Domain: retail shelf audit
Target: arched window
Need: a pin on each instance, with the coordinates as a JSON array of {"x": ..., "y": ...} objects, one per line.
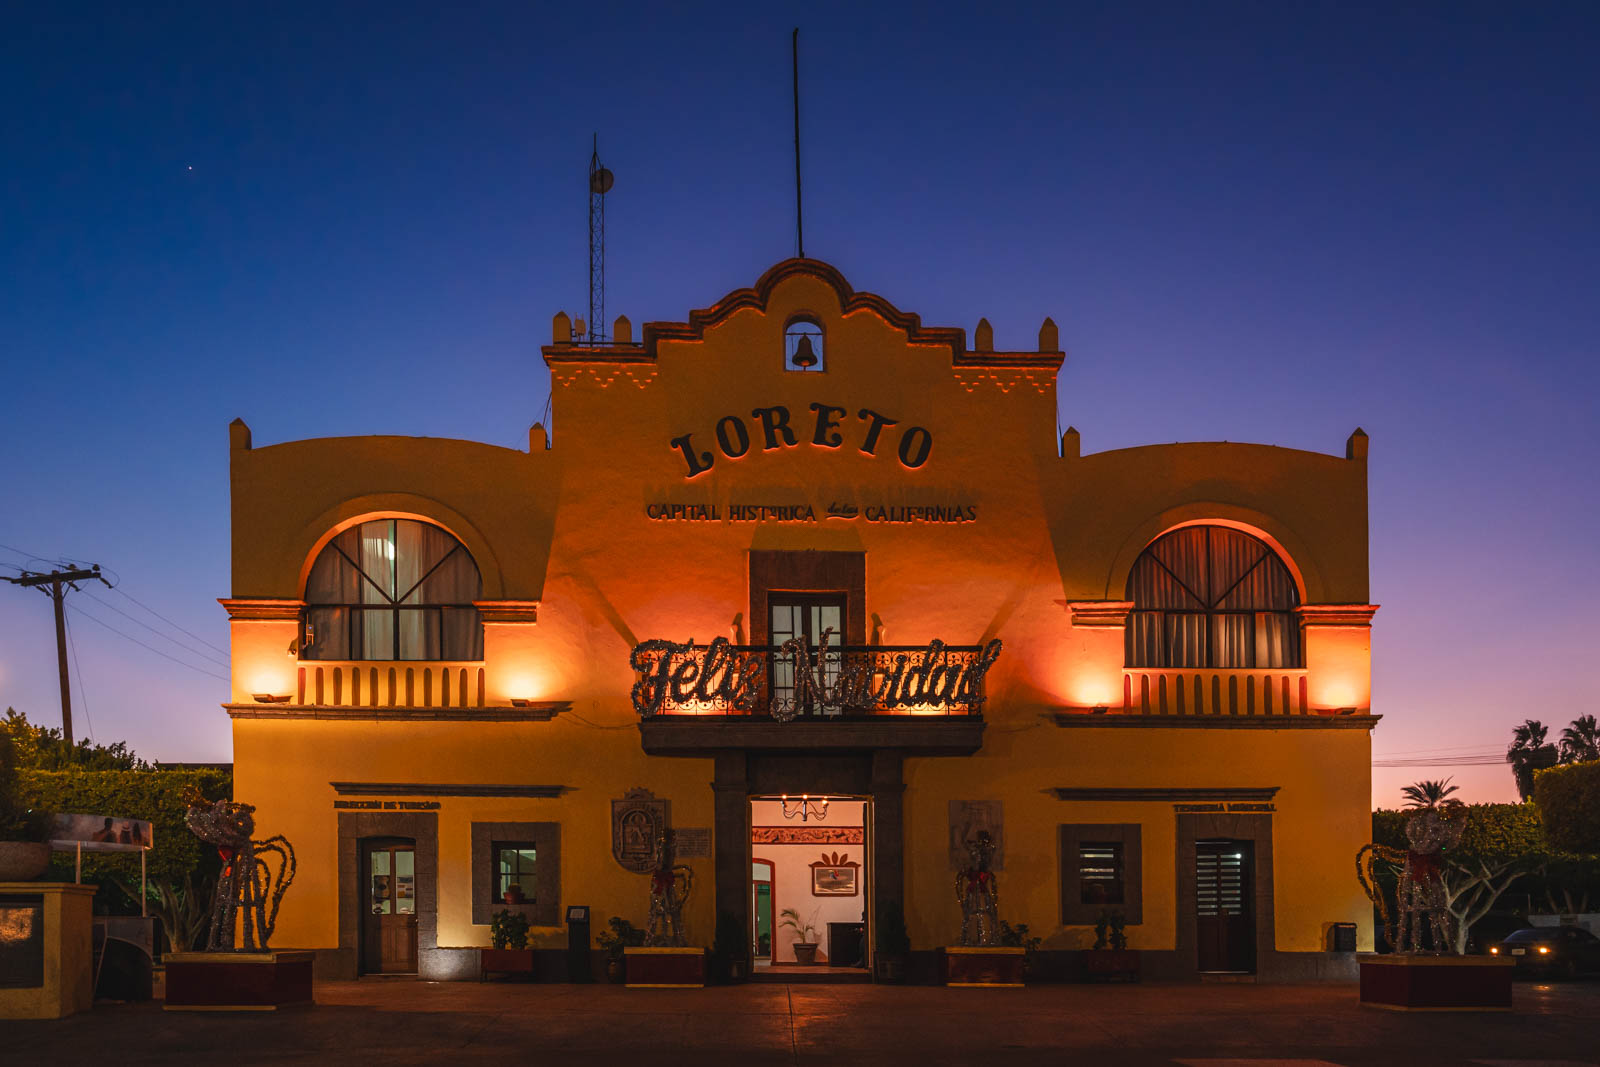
[
  {"x": 802, "y": 344},
  {"x": 1212, "y": 596},
  {"x": 393, "y": 589}
]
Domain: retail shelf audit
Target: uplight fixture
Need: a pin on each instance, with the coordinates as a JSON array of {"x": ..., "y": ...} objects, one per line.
[{"x": 270, "y": 698}]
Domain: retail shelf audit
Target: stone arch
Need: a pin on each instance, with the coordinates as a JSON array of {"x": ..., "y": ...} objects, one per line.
[
  {"x": 1289, "y": 546},
  {"x": 359, "y": 509}
]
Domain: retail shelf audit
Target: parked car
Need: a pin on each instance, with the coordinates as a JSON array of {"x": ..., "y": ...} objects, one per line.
[{"x": 1565, "y": 950}]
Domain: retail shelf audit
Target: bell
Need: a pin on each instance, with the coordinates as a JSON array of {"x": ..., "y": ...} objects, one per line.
[{"x": 804, "y": 357}]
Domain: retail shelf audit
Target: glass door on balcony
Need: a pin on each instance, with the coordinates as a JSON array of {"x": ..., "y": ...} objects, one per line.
[{"x": 808, "y": 615}]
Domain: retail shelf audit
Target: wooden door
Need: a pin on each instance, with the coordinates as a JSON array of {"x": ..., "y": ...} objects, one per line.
[
  {"x": 389, "y": 919},
  {"x": 761, "y": 913},
  {"x": 1225, "y": 923}
]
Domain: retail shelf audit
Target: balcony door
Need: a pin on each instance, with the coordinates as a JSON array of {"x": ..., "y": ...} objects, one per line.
[{"x": 807, "y": 615}]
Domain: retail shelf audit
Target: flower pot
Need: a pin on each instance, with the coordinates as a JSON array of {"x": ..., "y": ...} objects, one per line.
[
  {"x": 1106, "y": 964},
  {"x": 23, "y": 861},
  {"x": 505, "y": 961},
  {"x": 514, "y": 895},
  {"x": 613, "y": 970},
  {"x": 805, "y": 952}
]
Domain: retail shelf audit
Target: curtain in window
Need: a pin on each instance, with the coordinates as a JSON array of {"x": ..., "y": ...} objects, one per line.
[
  {"x": 1211, "y": 596},
  {"x": 394, "y": 589}
]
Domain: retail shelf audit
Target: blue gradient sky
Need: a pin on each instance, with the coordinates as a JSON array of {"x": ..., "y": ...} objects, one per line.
[{"x": 1268, "y": 222}]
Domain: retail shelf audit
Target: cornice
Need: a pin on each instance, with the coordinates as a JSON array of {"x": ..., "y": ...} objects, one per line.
[
  {"x": 1169, "y": 794},
  {"x": 1079, "y": 720},
  {"x": 1337, "y": 614},
  {"x": 526, "y": 611},
  {"x": 535, "y": 712},
  {"x": 467, "y": 789},
  {"x": 261, "y": 608},
  {"x": 1099, "y": 613}
]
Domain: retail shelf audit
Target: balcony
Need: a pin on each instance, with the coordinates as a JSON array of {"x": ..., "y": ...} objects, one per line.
[
  {"x": 696, "y": 698},
  {"x": 400, "y": 689},
  {"x": 1209, "y": 691}
]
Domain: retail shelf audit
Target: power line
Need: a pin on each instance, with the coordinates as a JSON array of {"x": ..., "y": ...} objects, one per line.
[
  {"x": 192, "y": 651},
  {"x": 157, "y": 651},
  {"x": 117, "y": 587}
]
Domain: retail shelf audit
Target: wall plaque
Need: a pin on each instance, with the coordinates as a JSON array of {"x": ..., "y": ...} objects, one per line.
[
  {"x": 692, "y": 842},
  {"x": 636, "y": 820},
  {"x": 967, "y": 817}
]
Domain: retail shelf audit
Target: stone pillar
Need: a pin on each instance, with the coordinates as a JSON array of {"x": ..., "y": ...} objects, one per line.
[
  {"x": 731, "y": 830},
  {"x": 888, "y": 820}
]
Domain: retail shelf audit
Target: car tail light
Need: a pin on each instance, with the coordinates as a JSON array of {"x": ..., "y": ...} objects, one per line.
[
  {"x": 1544, "y": 950},
  {"x": 1494, "y": 951}
]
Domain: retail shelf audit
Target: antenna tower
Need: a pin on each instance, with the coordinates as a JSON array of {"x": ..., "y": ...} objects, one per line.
[{"x": 600, "y": 181}]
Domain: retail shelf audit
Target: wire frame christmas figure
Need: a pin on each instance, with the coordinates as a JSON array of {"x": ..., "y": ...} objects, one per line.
[
  {"x": 670, "y": 884},
  {"x": 1421, "y": 901},
  {"x": 979, "y": 894},
  {"x": 247, "y": 882}
]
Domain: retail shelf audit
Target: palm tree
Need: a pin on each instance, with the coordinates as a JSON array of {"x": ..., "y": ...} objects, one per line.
[
  {"x": 1428, "y": 794},
  {"x": 1529, "y": 752},
  {"x": 1580, "y": 742}
]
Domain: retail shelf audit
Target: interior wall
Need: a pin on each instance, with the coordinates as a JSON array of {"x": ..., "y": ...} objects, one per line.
[{"x": 791, "y": 879}]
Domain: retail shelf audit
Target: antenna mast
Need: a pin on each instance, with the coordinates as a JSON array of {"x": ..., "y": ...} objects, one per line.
[
  {"x": 799, "y": 218},
  {"x": 600, "y": 181}
]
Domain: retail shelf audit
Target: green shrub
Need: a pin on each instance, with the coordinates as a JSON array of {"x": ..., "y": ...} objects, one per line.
[
  {"x": 507, "y": 929},
  {"x": 1568, "y": 798}
]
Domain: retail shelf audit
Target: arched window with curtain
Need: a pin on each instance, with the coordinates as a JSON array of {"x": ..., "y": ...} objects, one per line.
[
  {"x": 1212, "y": 596},
  {"x": 393, "y": 589}
]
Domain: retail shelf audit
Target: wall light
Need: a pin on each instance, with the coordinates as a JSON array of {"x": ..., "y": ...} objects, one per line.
[
  {"x": 520, "y": 702},
  {"x": 270, "y": 698}
]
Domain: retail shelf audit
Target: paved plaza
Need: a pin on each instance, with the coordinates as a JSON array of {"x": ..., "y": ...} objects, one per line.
[{"x": 406, "y": 1022}]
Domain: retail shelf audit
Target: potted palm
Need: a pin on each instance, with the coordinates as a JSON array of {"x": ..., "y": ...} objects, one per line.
[
  {"x": 615, "y": 942},
  {"x": 24, "y": 833},
  {"x": 805, "y": 930},
  {"x": 1111, "y": 957},
  {"x": 510, "y": 954}
]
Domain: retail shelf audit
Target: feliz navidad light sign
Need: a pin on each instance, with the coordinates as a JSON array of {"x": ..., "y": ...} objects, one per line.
[{"x": 721, "y": 676}]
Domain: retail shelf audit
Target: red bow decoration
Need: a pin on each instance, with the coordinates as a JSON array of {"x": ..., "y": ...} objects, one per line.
[
  {"x": 1425, "y": 866},
  {"x": 227, "y": 859}
]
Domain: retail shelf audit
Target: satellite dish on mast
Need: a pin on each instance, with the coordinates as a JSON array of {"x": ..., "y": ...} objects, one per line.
[{"x": 600, "y": 180}]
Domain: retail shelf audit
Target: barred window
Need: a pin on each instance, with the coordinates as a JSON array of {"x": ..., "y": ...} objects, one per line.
[
  {"x": 1212, "y": 596},
  {"x": 393, "y": 589}
]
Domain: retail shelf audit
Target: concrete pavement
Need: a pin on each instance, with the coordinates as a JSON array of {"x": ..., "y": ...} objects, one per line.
[{"x": 407, "y": 1022}]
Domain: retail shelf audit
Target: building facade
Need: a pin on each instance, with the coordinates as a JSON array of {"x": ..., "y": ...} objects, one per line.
[{"x": 803, "y": 548}]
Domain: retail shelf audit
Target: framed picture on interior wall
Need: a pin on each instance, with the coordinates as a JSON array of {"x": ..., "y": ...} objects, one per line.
[{"x": 835, "y": 875}]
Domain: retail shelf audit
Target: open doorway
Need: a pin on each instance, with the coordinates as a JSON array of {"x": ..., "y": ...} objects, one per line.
[{"x": 810, "y": 886}]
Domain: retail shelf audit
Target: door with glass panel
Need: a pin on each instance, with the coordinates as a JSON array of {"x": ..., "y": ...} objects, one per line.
[
  {"x": 389, "y": 906},
  {"x": 1225, "y": 924},
  {"x": 807, "y": 615},
  {"x": 761, "y": 915}
]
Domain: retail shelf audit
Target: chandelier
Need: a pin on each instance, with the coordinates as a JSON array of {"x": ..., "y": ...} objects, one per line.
[{"x": 805, "y": 807}]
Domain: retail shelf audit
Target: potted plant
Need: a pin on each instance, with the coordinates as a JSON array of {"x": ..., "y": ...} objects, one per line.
[
  {"x": 1017, "y": 937},
  {"x": 894, "y": 943},
  {"x": 513, "y": 894},
  {"x": 1111, "y": 957},
  {"x": 24, "y": 833},
  {"x": 510, "y": 954},
  {"x": 623, "y": 935},
  {"x": 730, "y": 951},
  {"x": 805, "y": 949}
]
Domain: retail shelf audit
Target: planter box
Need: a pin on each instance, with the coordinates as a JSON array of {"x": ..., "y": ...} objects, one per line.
[
  {"x": 1435, "y": 983},
  {"x": 504, "y": 961},
  {"x": 238, "y": 981},
  {"x": 47, "y": 958},
  {"x": 664, "y": 968},
  {"x": 995, "y": 967},
  {"x": 1111, "y": 964}
]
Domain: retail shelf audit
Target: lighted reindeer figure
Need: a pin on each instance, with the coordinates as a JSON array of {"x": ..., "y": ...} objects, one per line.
[
  {"x": 669, "y": 890},
  {"x": 246, "y": 881},
  {"x": 1420, "y": 898},
  {"x": 979, "y": 894}
]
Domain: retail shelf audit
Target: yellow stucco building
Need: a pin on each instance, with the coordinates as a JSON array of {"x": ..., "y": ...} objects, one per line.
[{"x": 462, "y": 671}]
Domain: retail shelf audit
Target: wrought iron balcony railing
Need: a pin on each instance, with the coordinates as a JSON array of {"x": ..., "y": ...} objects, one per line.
[{"x": 794, "y": 680}]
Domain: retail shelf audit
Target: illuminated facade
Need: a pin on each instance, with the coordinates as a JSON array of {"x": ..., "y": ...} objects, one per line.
[{"x": 460, "y": 669}]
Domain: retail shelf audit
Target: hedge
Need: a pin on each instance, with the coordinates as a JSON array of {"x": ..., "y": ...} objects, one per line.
[{"x": 1568, "y": 797}]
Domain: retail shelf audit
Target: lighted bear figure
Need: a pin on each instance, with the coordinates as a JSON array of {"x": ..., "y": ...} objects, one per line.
[{"x": 1421, "y": 898}]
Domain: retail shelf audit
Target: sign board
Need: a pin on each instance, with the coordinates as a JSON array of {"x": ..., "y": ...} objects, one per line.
[{"x": 100, "y": 833}]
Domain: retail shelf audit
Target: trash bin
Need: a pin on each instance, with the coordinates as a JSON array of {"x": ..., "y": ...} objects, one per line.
[
  {"x": 1341, "y": 937},
  {"x": 578, "y": 944}
]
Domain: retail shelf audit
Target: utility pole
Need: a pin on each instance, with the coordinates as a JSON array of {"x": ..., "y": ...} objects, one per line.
[{"x": 52, "y": 584}]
